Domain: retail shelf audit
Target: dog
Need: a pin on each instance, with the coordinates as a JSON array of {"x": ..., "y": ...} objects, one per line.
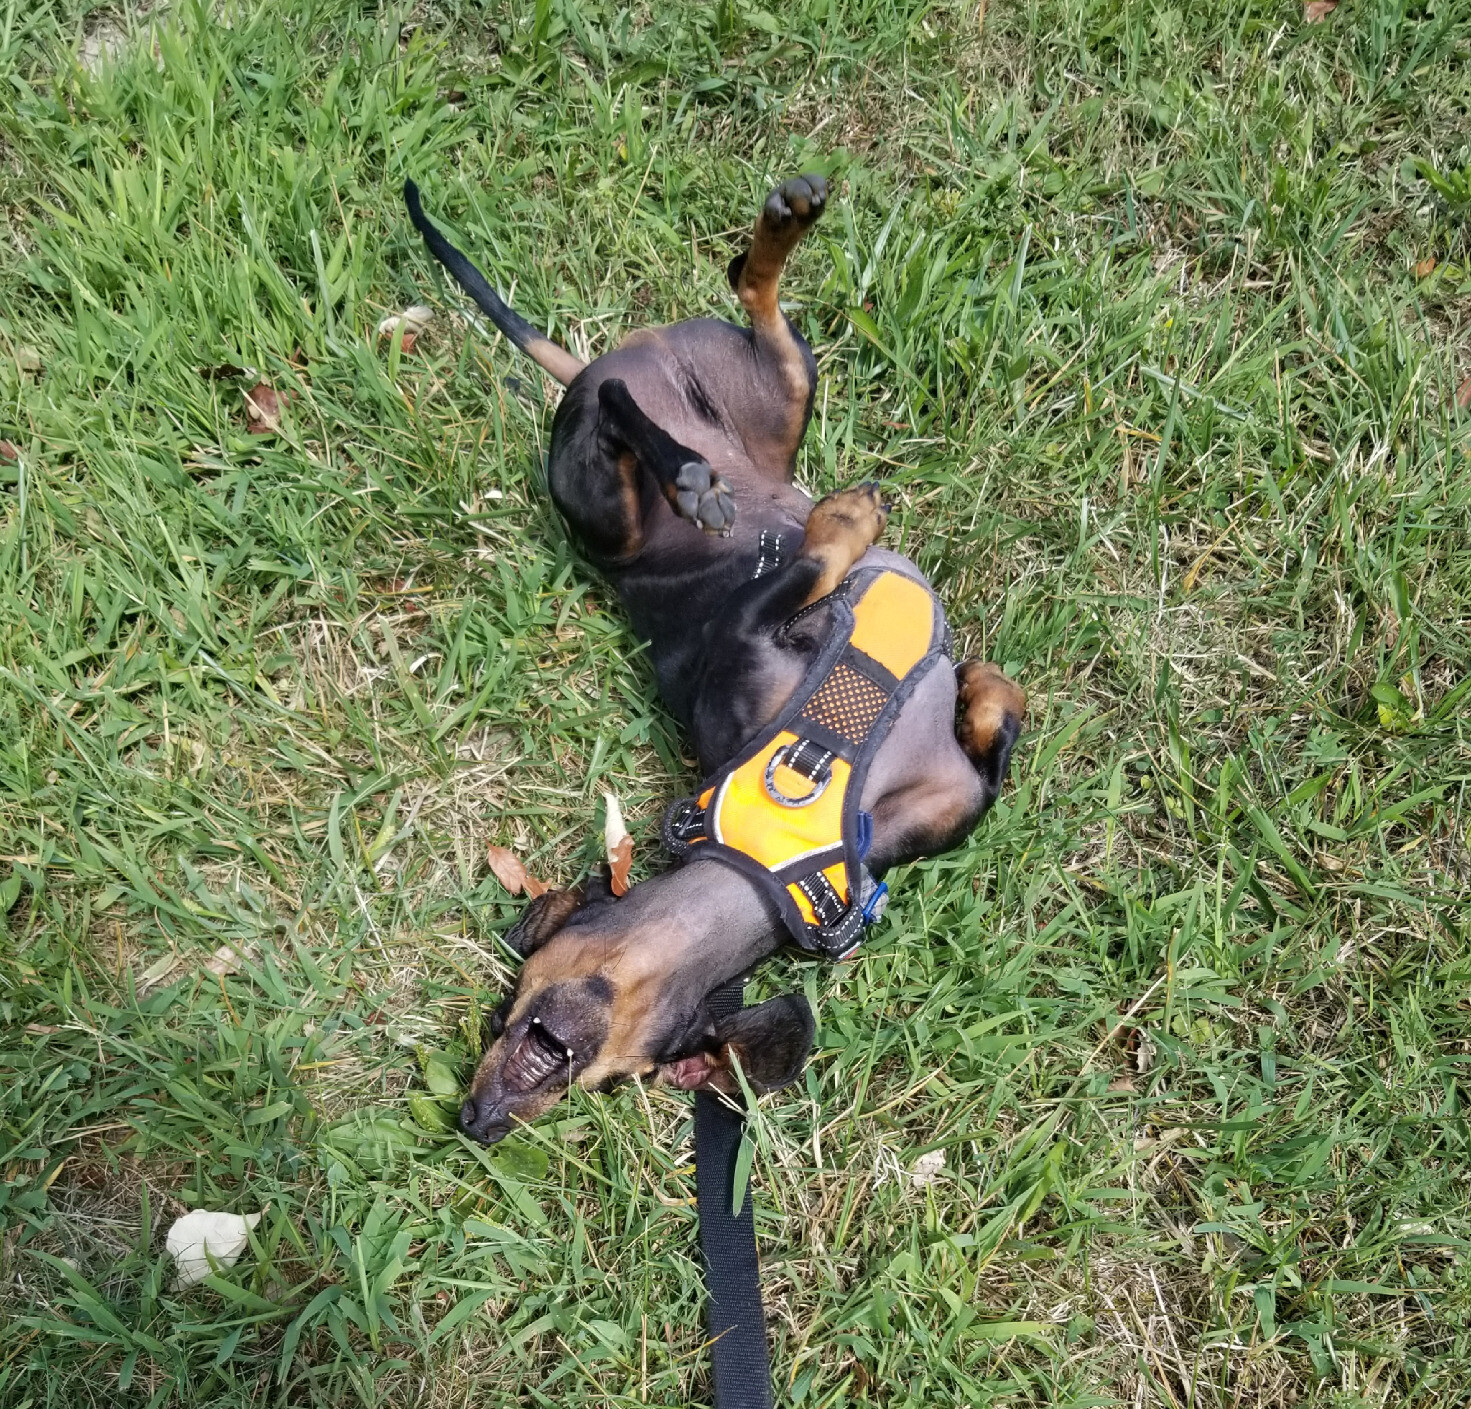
[{"x": 672, "y": 460}]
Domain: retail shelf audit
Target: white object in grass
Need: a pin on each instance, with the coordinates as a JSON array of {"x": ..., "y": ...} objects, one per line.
[
  {"x": 200, "y": 1235},
  {"x": 414, "y": 319},
  {"x": 926, "y": 1169}
]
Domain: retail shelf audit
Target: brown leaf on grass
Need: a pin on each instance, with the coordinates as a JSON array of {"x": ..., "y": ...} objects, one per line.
[
  {"x": 262, "y": 409},
  {"x": 1425, "y": 268},
  {"x": 8, "y": 451},
  {"x": 1463, "y": 395},
  {"x": 535, "y": 887},
  {"x": 617, "y": 845},
  {"x": 507, "y": 869},
  {"x": 620, "y": 862},
  {"x": 1316, "y": 11}
]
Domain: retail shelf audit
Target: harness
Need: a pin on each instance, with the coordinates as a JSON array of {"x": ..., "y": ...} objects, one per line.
[{"x": 785, "y": 811}]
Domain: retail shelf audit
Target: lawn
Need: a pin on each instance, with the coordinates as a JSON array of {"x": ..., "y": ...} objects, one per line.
[{"x": 1152, "y": 317}]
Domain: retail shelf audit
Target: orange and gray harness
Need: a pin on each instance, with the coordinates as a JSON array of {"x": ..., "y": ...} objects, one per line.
[{"x": 786, "y": 810}]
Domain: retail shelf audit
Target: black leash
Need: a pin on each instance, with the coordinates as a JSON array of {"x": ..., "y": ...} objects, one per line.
[{"x": 741, "y": 1365}]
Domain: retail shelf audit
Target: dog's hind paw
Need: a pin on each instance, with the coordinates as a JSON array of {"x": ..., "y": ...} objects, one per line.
[
  {"x": 799, "y": 200},
  {"x": 701, "y": 496}
]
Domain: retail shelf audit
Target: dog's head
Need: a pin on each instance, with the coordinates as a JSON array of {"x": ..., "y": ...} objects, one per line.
[{"x": 611, "y": 989}]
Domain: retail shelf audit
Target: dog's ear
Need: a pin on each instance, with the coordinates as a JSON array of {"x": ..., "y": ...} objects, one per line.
[
  {"x": 770, "y": 1041},
  {"x": 551, "y": 910},
  {"x": 598, "y": 887},
  {"x": 542, "y": 919}
]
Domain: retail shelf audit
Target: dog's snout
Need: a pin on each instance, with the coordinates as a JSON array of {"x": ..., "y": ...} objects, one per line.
[{"x": 480, "y": 1120}]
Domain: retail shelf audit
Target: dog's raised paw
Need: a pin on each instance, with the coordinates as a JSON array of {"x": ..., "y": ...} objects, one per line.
[
  {"x": 986, "y": 699},
  {"x": 858, "y": 515},
  {"x": 840, "y": 529},
  {"x": 799, "y": 200},
  {"x": 702, "y": 497}
]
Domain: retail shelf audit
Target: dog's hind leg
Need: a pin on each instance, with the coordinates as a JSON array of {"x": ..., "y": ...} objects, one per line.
[
  {"x": 789, "y": 212},
  {"x": 607, "y": 457}
]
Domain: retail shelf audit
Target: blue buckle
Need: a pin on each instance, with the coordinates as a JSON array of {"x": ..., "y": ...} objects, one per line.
[{"x": 876, "y": 904}]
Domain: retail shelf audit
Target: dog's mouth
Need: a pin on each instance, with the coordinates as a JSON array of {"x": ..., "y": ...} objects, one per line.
[{"x": 536, "y": 1058}]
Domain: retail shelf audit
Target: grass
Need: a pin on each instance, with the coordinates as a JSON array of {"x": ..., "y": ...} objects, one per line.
[{"x": 1120, "y": 298}]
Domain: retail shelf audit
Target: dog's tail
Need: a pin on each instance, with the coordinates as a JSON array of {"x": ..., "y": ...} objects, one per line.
[{"x": 540, "y": 348}]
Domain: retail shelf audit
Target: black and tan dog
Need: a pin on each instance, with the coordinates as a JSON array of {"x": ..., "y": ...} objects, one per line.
[{"x": 672, "y": 459}]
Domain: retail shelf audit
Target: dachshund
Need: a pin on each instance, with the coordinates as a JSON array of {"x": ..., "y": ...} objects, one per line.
[{"x": 673, "y": 459}]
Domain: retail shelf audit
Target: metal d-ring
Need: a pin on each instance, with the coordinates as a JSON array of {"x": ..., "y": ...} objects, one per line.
[{"x": 775, "y": 793}]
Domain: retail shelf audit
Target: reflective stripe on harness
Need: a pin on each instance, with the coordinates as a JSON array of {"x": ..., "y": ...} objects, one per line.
[{"x": 786, "y": 810}]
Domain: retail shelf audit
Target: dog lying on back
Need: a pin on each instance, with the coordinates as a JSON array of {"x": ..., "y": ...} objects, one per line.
[{"x": 672, "y": 458}]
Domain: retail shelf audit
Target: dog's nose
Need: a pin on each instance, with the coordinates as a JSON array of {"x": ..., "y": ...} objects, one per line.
[{"x": 480, "y": 1121}]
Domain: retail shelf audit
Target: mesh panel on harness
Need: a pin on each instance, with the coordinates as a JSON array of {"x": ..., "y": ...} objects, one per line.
[{"x": 846, "y": 703}]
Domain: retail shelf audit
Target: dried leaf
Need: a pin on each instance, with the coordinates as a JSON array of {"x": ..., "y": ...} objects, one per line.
[
  {"x": 27, "y": 359},
  {"x": 1316, "y": 11},
  {"x": 155, "y": 974},
  {"x": 262, "y": 410},
  {"x": 1425, "y": 268},
  {"x": 1121, "y": 1083},
  {"x": 613, "y": 828},
  {"x": 8, "y": 451},
  {"x": 414, "y": 319},
  {"x": 1463, "y": 395},
  {"x": 507, "y": 869},
  {"x": 223, "y": 961},
  {"x": 620, "y": 863},
  {"x": 200, "y": 1235},
  {"x": 617, "y": 844},
  {"x": 407, "y": 345},
  {"x": 535, "y": 887}
]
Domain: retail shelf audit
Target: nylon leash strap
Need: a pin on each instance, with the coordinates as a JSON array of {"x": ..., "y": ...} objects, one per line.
[{"x": 740, "y": 1363}]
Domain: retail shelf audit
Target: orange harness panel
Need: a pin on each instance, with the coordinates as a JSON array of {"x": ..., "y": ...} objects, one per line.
[{"x": 786, "y": 810}]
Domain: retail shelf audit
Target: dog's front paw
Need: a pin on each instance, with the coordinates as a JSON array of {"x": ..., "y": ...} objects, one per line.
[
  {"x": 855, "y": 517},
  {"x": 701, "y": 496},
  {"x": 840, "y": 529},
  {"x": 798, "y": 200},
  {"x": 990, "y": 705}
]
